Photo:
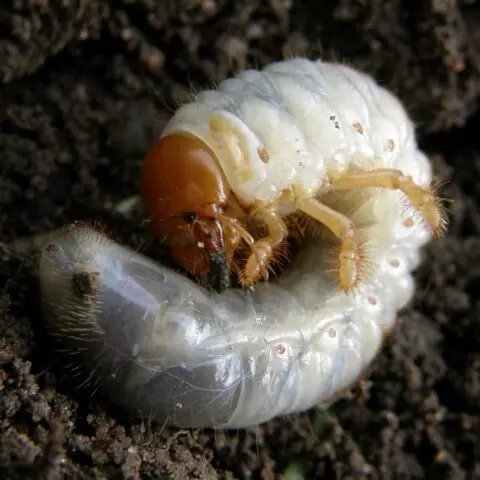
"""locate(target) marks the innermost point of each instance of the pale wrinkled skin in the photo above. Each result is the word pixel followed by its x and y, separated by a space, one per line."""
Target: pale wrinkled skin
pixel 164 347
pixel 311 117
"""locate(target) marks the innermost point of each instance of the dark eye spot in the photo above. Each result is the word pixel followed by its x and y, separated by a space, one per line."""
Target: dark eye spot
pixel 189 217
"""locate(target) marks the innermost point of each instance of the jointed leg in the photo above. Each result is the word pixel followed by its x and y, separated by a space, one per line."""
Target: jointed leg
pixel 237 233
pixel 264 249
pixel 352 262
pixel 423 199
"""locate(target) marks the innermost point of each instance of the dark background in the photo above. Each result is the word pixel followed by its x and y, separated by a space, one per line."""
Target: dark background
pixel 86 87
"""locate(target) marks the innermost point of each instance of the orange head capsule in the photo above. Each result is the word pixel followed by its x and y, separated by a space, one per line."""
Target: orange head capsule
pixel 185 193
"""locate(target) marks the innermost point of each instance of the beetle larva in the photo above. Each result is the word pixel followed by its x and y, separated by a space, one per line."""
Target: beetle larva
pixel 164 347
pixel 268 144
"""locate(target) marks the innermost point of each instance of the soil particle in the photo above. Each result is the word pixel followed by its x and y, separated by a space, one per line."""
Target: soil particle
pixel 87 85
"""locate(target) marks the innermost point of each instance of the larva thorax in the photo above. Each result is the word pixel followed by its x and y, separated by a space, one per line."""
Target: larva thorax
pixel 285 137
pixel 291 123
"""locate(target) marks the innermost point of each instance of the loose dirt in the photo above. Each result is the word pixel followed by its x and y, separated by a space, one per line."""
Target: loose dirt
pixel 84 90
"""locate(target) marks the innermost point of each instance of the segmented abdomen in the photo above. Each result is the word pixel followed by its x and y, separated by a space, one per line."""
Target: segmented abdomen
pixel 310 117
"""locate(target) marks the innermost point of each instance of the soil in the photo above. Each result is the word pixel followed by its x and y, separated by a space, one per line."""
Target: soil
pixel 86 86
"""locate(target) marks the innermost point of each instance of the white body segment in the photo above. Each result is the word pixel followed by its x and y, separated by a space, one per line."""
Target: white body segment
pixel 166 348
pixel 309 117
pixel 163 347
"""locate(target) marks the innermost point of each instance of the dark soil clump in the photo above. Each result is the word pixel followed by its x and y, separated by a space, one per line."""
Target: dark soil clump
pixel 86 87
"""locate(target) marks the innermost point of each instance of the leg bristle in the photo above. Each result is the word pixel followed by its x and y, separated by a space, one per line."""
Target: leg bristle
pixel 424 198
pixel 352 264
pixel 429 208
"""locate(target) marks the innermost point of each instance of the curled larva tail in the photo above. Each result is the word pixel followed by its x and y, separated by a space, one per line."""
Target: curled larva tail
pixel 162 346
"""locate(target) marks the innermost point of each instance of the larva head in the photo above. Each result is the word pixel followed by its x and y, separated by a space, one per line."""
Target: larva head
pixel 185 193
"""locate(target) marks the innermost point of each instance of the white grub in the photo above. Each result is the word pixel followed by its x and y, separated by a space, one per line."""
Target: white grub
pixel 152 340
pixel 293 135
pixel 168 349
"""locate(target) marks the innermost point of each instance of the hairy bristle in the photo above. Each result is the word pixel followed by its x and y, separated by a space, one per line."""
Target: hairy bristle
pixel 432 213
pixel 278 257
pixel 440 206
pixel 365 266
pixel 303 225
pixel 297 224
pixel 236 266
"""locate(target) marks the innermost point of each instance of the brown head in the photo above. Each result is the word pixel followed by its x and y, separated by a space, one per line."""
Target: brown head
pixel 185 194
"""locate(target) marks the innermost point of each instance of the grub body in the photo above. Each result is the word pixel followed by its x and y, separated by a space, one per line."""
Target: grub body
pixel 163 347
pixel 288 125
pixel 298 138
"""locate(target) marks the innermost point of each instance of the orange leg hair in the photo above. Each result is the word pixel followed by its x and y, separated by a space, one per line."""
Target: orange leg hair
pixel 236 233
pixel 353 265
pixel 423 199
pixel 264 249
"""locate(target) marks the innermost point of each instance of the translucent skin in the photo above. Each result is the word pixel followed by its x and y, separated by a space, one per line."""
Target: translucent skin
pixel 163 347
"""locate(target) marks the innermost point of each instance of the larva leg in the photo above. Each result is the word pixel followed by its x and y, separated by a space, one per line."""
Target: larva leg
pixel 352 267
pixel 424 199
pixel 237 233
pixel 263 249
